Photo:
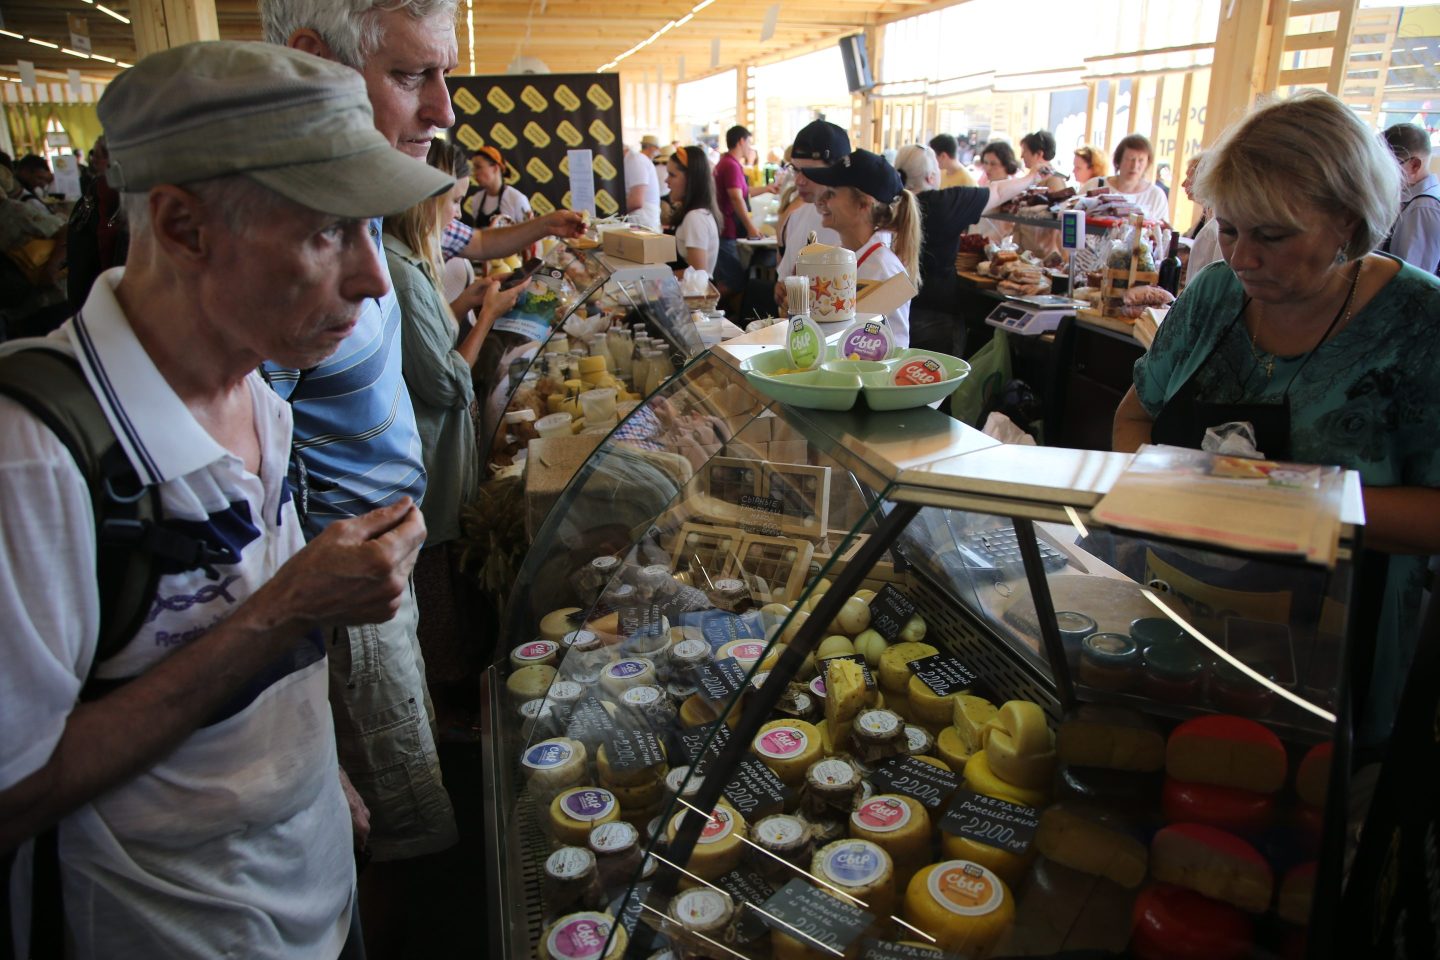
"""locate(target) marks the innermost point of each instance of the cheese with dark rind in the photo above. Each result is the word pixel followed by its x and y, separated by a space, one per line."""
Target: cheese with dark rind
pixel 1110 737
pixel 1228 752
pixel 1213 862
pixel 1093 842
pixel 1312 780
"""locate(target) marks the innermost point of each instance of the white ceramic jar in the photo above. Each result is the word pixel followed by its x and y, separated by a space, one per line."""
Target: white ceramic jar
pixel 831 271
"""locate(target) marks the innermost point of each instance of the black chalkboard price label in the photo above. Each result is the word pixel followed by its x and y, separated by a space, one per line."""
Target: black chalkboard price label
pixel 761 515
pixel 590 722
pixel 719 680
pixel 916 779
pixel 890 610
pixel 824 923
pixel 748 889
pixel 872 949
pixel 943 674
pixel 996 823
pixel 755 791
pixel 641 620
pixel 633 749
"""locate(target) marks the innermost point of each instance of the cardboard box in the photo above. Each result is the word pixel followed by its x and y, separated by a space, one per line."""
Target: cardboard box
pixel 640 246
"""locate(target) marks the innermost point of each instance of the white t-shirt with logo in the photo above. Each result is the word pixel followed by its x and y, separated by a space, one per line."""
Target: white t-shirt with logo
pixel 238 842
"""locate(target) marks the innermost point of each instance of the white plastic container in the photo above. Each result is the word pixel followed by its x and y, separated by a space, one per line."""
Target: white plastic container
pixel 554 425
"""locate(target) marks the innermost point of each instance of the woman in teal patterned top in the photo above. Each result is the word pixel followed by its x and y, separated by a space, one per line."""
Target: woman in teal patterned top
pixel 1330 349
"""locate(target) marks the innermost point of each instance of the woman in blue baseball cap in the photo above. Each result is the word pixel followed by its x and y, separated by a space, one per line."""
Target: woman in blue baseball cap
pixel 868 205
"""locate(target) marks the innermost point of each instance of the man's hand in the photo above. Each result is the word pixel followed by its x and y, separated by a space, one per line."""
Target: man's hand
pixel 359 812
pixel 353 573
pixel 564 224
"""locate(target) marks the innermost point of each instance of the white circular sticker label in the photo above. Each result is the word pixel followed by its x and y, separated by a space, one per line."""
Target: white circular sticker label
pixel 689 650
pixel 642 696
pixel 580 638
pixel 881 814
pixel 857 863
pixel 833 772
pixel 530 709
pixel 612 837
pixel 569 863
pixel 547 755
pixel 780 831
pixel 916 739
pixel 879 723
pixel 565 691
pixel 701 908
pixel 965 888
pixel 782 743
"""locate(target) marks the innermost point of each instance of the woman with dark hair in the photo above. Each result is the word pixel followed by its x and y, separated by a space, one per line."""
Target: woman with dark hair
pixel 997 159
pixel 1134 158
pixel 692 191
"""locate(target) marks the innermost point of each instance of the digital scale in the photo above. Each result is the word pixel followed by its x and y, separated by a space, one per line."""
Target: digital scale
pixel 1032 316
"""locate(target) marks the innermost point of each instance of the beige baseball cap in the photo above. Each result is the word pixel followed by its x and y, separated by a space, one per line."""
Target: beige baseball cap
pixel 295 123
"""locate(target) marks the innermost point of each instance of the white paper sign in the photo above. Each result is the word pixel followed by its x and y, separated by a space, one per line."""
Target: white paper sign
pixel 715 52
pixel 67 176
pixel 76 84
pixel 767 29
pixel 582 180
pixel 79 33
pixel 27 73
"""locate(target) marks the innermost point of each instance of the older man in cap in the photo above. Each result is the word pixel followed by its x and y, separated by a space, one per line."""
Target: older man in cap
pixel 192 771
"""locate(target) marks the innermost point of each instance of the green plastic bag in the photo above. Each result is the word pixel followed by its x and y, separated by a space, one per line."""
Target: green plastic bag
pixel 989 372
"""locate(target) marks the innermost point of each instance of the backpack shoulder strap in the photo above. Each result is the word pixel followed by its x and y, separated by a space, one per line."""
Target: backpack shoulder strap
pixel 50 384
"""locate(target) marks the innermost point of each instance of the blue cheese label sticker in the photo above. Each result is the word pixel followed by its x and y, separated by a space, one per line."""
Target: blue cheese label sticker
pixel 854 863
pixel 627 669
pixel 548 755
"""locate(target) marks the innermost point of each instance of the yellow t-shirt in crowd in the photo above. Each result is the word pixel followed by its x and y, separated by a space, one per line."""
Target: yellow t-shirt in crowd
pixel 957 178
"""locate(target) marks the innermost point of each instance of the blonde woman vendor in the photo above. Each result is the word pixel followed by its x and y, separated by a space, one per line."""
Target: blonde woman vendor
pixel 867 204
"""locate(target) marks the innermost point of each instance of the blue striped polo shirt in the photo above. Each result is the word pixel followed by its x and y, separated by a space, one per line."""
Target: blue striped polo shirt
pixel 354 426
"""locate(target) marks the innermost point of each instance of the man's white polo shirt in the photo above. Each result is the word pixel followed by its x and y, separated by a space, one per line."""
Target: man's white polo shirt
pixel 238 843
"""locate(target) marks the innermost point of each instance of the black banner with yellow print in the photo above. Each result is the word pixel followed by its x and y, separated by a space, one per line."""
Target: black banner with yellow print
pixel 534 119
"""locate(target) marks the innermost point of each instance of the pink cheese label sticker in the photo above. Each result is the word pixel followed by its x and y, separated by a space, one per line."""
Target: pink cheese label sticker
pixel 817 686
pixel 717 828
pixel 588 805
pixel 748 651
pixel 919 372
pixel 881 815
pixel 580 937
pixel 538 650
pixel 781 743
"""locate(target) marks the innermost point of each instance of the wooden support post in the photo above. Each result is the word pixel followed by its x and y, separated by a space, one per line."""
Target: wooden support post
pixel 162 24
pixel 1157 114
pixel 1091 87
pixel 1114 89
pixel 1182 140
pixel 1242 61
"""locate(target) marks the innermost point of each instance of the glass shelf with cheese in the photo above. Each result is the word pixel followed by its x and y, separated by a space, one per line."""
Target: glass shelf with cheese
pixel 786 683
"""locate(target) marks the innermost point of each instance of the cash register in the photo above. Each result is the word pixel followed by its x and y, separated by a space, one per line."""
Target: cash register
pixel 1032 316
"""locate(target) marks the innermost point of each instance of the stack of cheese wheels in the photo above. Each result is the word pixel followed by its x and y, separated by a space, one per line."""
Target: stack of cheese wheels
pixel 575 812
pixel 895 675
pixel 1093 840
pixel 931 711
pixel 1173 923
pixel 720 845
pixel 640 791
pixel 557 623
pixel 1212 862
pixel 529 683
pixel 788 747
pixel 965 907
pixel 583 936
pixel 1017 758
pixel 1223 771
pixel 1312 781
pixel 553 766
pixel 900 826
pixel 959 742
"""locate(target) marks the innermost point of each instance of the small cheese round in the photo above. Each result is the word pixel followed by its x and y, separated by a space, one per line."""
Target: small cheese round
pixel 529 683
pixel 720 845
pixel 788 747
pixel 894 670
pixel 963 905
pixel 898 824
pixel 621 675
pixel 536 651
pixel 634 776
pixel 918 740
pixel 582 936
pixel 557 623
pixel 927 707
pixel 553 766
pixel 862 869
pixel 575 812
pixel 980 778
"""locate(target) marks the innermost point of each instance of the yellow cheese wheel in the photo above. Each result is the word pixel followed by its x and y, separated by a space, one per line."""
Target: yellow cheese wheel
pixel 1007 866
pixel 557 623
pixel 898 825
pixel 963 905
pixel 827 746
pixel 844 698
pixel 788 747
pixel 971 716
pixel 894 674
pixel 720 844
pixel 748 652
pixel 900 703
pixel 529 683
pixel 1084 840
pixel 592 365
pixel 862 869
pixel 1020 746
pixel 696 712
pixel 642 796
pixel 951 748
pixel 553 766
pixel 934 762
pixel 928 708
pixel 610 777
pixel 980 778
pixel 574 813
pixel 583 934
pixel 621 675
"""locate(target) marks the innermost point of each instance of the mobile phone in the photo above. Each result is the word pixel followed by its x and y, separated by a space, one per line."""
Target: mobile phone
pixel 520 276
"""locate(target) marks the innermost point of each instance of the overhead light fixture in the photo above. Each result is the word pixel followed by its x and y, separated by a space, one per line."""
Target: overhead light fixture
pixel 75 53
pixel 122 63
pixel 101 56
pixel 111 13
pixel 43 43
pixel 14 36
pixel 671 25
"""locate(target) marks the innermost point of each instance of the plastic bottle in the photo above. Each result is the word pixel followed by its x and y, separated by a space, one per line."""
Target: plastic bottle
pixel 622 349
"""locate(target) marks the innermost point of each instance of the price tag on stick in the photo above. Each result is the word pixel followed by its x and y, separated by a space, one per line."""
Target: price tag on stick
pixel 889 612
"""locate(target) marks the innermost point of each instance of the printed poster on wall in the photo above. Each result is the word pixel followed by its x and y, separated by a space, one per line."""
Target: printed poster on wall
pixel 534 120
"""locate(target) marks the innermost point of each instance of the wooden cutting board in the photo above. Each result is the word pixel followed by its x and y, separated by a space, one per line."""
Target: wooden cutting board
pixel 983 282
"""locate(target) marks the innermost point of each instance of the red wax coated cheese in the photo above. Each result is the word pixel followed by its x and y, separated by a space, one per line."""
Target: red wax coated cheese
pixel 1313 777
pixel 1227 752
pixel 1214 862
pixel 1172 923
pixel 1239 811
pixel 1297 892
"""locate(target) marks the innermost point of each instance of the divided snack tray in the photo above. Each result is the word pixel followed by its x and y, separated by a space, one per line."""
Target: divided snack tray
pixel 836 383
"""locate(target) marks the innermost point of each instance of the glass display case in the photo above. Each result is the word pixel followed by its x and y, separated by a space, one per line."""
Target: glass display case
pixel 587 323
pixel 785 683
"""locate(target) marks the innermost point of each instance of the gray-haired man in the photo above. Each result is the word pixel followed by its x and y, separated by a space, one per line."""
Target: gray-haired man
pixel 198 798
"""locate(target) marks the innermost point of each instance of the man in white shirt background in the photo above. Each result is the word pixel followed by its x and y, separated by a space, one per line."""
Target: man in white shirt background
pixel 818 144
pixel 642 184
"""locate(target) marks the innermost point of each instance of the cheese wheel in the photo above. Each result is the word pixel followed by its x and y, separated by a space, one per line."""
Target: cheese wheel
pixel 900 703
pixel 621 675
pixel 748 652
pixel 1019 745
pixel 1312 780
pixel 557 623
pixel 529 683
pixel 918 740
pixel 582 936
pixel 980 778
pixel 951 748
pixel 575 812
pixel 1091 841
pixel 1214 862
pixel 936 763
pixel 970 716
pixel 831 786
pixel 929 708
pixel 788 747
pixel 1172 923
pixel 844 697
pixel 894 673
pixel 637 797
pixel 1110 737
pixel 1228 752
pixel 536 651
pixel 609 776
pixel 720 845
pixel 1239 811
pixel 862 869
pixel 898 824
pixel 1010 867
pixel 963 905
pixel 553 766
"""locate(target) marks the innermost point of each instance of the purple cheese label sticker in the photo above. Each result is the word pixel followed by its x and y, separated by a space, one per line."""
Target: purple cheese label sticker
pixel 854 864
pixel 625 669
pixel 866 342
pixel 588 805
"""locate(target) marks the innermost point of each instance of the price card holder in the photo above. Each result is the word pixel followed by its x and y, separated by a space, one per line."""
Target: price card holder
pixel 825 924
pixel 889 612
pixel 996 823
pixel 590 723
pixel 872 949
pixel 719 680
pixel 633 749
pixel 943 674
pixel 864 668
pixel 915 779
pixel 761 515
pixel 748 889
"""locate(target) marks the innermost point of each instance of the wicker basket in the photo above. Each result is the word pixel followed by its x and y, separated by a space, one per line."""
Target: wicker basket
pixel 967 262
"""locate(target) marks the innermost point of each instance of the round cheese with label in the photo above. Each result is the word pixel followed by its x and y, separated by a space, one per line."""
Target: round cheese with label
pixel 951 748
pixel 788 747
pixel 631 774
pixel 720 845
pixel 898 824
pixel 536 651
pixel 529 683
pixel 704 912
pixel 878 734
pixel 747 653
pixel 575 812
pixel 928 708
pixel 963 905
pixel 895 673
pixel 783 837
pixel 918 740
pixel 621 675
pixel 554 765
pixel 980 778
pixel 831 786
pixel 584 936
pixel 557 623
pixel 860 868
